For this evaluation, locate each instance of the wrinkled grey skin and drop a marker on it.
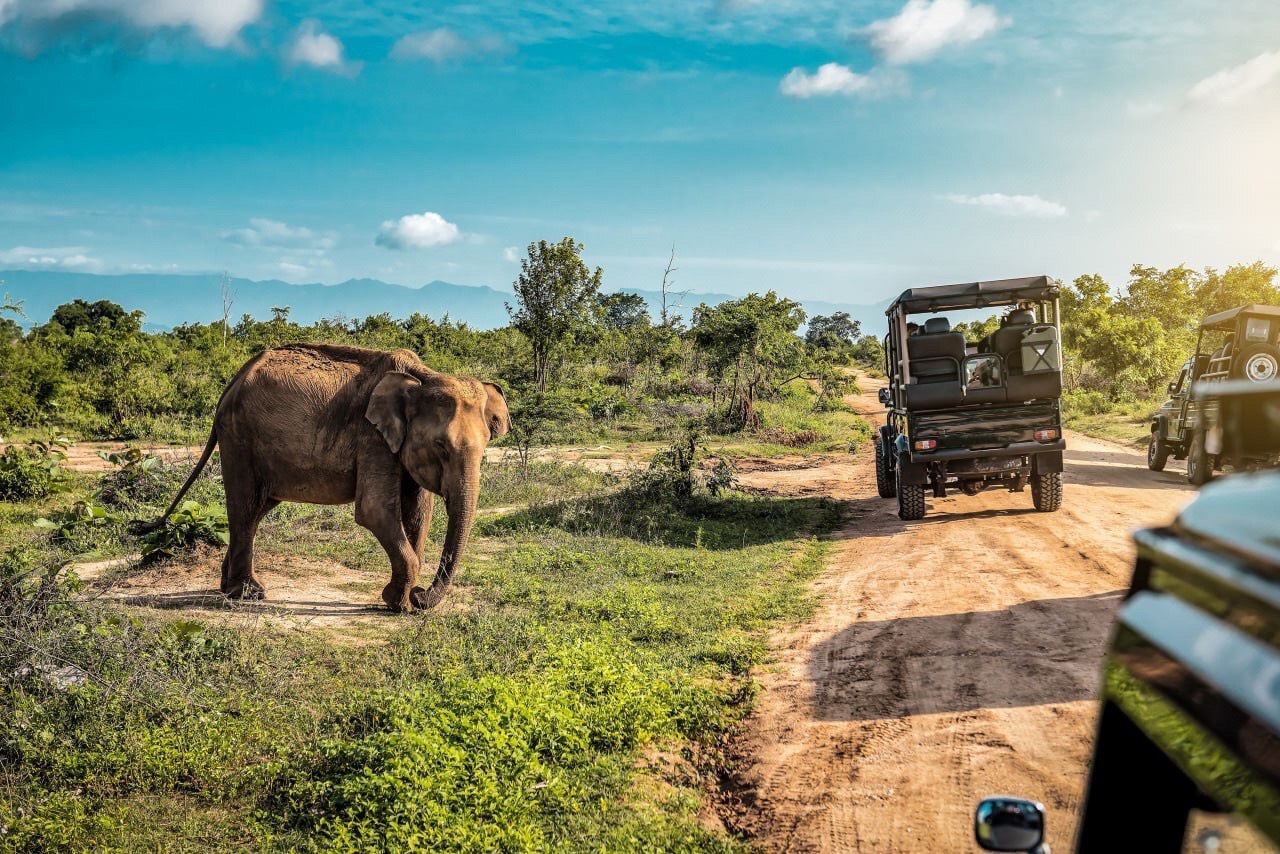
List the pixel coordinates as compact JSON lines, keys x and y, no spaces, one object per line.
{"x":326,"y":424}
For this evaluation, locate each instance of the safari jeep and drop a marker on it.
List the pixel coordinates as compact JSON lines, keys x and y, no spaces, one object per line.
{"x":1187,"y":753}
{"x":1240,"y":344}
{"x":968,"y":415}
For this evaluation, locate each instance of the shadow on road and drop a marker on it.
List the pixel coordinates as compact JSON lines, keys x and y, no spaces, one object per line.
{"x":1030,"y":654}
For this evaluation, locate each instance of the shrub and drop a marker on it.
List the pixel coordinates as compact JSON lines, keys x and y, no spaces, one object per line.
{"x":82,"y":526}
{"x":189,"y":525}
{"x":1085,"y":402}
{"x":139,"y":478}
{"x":791,"y":438}
{"x":33,"y":471}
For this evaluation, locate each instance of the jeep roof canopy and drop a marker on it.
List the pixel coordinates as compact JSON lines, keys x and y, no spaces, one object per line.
{"x":974,"y":295}
{"x":1226,"y":320}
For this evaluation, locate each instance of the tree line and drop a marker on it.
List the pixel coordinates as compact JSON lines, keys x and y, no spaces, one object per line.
{"x":571,"y":350}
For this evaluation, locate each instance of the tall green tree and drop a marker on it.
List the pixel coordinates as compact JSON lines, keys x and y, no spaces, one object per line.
{"x":1241,"y":284}
{"x":833,"y":332}
{"x":555,"y":297}
{"x":749,"y":343}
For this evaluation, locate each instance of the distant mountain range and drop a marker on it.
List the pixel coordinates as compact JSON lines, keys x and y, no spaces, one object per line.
{"x":171,"y":300}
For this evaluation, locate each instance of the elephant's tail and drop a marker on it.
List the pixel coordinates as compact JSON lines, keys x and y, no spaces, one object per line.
{"x":155,"y":525}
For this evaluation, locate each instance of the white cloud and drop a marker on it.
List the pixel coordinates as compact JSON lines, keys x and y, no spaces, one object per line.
{"x":215,"y":22}
{"x":314,"y":47}
{"x":272,"y":233}
{"x":417,"y":231}
{"x":1006,"y":205}
{"x":51,"y":258}
{"x":924,"y":27}
{"x":830,"y":79}
{"x":444,"y":45}
{"x":1236,"y":84}
{"x":511,"y":255}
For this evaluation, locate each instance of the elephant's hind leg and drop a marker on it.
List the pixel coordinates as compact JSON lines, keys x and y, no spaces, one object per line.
{"x":246,"y":505}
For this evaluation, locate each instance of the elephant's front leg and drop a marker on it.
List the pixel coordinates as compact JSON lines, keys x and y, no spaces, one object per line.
{"x":415,"y":514}
{"x":381,"y":514}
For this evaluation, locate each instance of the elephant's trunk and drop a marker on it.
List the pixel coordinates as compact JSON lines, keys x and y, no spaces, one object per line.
{"x":460,"y":504}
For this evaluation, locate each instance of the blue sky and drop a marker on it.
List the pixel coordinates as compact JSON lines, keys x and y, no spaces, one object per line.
{"x":829,"y":150}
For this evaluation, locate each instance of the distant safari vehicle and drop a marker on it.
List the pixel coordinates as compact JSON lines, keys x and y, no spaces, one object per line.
{"x":1242,"y":344}
{"x":972,"y":414}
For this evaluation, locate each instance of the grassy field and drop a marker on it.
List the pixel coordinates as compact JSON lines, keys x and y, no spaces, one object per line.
{"x":572,"y":692}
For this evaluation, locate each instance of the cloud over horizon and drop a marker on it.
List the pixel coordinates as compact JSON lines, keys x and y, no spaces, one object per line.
{"x":922,"y":28}
{"x":1011,"y":205}
{"x":417,"y":231}
{"x":1231,"y":85}
{"x":56,"y":257}
{"x":272,"y":233}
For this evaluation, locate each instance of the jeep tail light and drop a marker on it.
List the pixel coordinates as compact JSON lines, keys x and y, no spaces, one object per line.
{"x":1047,"y":435}
{"x":926,"y":444}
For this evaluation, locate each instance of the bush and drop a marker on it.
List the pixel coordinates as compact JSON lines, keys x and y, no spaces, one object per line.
{"x":791,"y":438}
{"x":32,"y":472}
{"x":1084,"y":402}
{"x":186,"y":527}
{"x":82,"y":526}
{"x":139,"y":478}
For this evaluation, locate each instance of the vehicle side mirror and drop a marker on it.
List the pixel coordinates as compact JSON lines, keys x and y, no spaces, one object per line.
{"x":1172,"y":387}
{"x":883,"y":394}
{"x":1010,"y":824}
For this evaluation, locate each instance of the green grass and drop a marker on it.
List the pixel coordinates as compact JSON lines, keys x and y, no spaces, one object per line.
{"x":591,"y":627}
{"x":1126,"y":422}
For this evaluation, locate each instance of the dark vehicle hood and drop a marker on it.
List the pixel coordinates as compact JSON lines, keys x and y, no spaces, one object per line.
{"x":1239,"y":514}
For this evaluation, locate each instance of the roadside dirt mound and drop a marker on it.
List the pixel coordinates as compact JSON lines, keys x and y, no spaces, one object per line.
{"x":949,"y":659}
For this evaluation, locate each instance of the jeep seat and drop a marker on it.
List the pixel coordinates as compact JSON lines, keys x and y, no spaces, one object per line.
{"x":935,"y":356}
{"x":1007,"y":343}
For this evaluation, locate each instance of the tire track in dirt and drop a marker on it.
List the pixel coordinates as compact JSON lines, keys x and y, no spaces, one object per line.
{"x":949,"y":659}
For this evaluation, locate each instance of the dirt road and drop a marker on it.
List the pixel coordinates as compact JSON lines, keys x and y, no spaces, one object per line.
{"x":950,"y":658}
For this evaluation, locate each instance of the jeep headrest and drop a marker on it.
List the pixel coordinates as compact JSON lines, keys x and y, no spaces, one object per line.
{"x":1021,"y":317}
{"x":937,"y":326}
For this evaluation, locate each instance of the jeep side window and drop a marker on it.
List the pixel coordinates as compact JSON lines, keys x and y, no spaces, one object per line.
{"x":1181,"y":385}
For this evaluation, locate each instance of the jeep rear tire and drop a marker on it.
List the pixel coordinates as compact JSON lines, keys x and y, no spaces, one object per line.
{"x":1260,"y":363}
{"x":1046,"y":491}
{"x":1199,"y":463}
{"x":885,"y":485}
{"x":910,"y":499}
{"x":1157,"y":452}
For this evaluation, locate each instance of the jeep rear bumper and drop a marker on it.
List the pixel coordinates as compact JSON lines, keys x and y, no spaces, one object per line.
{"x":1017,"y":449}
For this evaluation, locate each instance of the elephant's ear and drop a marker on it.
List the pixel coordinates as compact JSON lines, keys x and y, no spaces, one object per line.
{"x":386,"y":407}
{"x":495,"y":411}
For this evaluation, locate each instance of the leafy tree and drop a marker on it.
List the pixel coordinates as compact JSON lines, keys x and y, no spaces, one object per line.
{"x":749,"y":342}
{"x":622,"y":311}
{"x":1239,"y":285}
{"x":555,"y":297}
{"x":833,"y":332}
{"x":84,"y":315}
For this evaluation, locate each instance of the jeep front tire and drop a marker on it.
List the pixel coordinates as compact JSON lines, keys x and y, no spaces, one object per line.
{"x":1157,"y":452}
{"x":885,"y":485}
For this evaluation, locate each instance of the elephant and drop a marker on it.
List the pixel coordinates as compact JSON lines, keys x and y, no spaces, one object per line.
{"x":330,"y":424}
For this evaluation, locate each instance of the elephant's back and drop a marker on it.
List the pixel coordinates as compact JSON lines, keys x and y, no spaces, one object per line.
{"x":300,"y":387}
